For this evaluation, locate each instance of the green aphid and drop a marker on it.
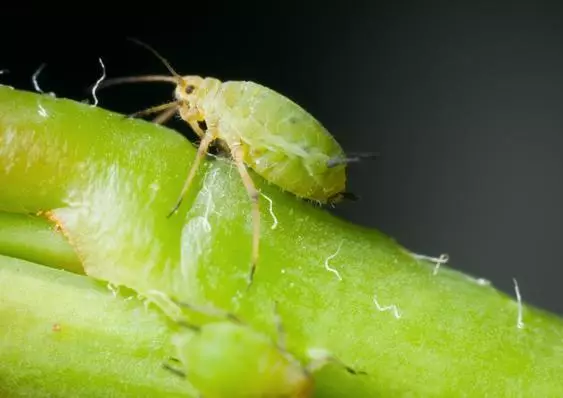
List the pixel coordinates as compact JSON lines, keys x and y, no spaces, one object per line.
{"x":225,"y":359}
{"x":228,"y":359}
{"x":260,"y":129}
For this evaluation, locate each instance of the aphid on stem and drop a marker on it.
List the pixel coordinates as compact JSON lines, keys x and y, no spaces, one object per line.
{"x":260,"y":129}
{"x":226,"y":358}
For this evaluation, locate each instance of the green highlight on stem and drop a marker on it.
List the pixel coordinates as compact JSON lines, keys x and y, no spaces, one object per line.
{"x":108,"y":183}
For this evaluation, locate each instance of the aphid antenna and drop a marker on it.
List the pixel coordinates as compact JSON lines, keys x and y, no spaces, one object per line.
{"x":174,"y":79}
{"x":157,"y":54}
{"x":136,"y":79}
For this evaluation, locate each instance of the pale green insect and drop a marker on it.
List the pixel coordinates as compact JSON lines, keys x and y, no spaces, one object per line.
{"x":227,"y":359}
{"x":224,"y":359}
{"x":260,"y":129}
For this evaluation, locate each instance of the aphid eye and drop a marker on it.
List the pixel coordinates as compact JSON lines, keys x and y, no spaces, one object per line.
{"x":202,"y":125}
{"x":190,"y":89}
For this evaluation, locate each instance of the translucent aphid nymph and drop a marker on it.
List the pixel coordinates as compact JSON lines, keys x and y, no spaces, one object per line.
{"x":260,"y":129}
{"x":227,"y":358}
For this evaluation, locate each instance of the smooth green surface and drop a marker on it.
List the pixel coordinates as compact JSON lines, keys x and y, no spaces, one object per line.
{"x":110,"y":183}
{"x":64,"y":335}
{"x":37,"y":240}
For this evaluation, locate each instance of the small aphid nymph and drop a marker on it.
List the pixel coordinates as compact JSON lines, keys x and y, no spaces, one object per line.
{"x":260,"y":129}
{"x":227,"y":358}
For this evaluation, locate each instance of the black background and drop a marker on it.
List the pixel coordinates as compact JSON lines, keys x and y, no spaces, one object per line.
{"x":464,"y":106}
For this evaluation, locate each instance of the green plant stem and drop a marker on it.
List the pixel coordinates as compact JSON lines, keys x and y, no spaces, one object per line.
{"x":66,"y":335}
{"x":110,"y":182}
{"x":35,"y":239}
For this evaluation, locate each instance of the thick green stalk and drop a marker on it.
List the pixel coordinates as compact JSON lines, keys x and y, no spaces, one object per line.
{"x":37,"y":240}
{"x":66,"y":335}
{"x":110,"y":182}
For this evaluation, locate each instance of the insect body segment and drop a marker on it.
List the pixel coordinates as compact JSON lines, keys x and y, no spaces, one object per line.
{"x":284,"y":144}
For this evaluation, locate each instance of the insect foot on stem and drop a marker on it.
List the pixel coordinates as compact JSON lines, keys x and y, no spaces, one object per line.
{"x":321,"y":357}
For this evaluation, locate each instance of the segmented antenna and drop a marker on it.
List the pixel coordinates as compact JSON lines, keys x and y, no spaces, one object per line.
{"x":174,"y":79}
{"x":157,"y":54}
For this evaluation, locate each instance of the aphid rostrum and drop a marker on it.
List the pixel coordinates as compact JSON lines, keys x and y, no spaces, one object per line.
{"x":262,"y":130}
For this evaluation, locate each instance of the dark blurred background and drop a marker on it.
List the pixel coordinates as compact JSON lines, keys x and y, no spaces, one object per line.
{"x":465,"y":108}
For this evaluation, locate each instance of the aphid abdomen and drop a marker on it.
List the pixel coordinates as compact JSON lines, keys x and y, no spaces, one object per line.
{"x":304,"y":178}
{"x":284,"y":143}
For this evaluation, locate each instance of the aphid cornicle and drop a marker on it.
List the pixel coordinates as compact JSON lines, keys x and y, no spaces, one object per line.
{"x":260,"y":129}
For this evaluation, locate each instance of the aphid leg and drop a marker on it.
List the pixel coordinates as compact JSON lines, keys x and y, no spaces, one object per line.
{"x":179,"y":372}
{"x":165,"y":116}
{"x":194,"y":124}
{"x":321,"y":358}
{"x":207,"y":139}
{"x":237,"y":153}
{"x":176,"y":371}
{"x":155,"y":109}
{"x":210,"y":311}
{"x":193,"y":117}
{"x":350,"y":196}
{"x":187,"y":325}
{"x":343,"y":196}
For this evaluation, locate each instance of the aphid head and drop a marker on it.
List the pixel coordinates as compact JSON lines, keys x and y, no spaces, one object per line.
{"x":188,"y":88}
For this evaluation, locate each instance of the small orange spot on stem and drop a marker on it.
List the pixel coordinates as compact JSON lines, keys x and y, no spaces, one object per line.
{"x":58,"y":226}
{"x":56,"y":327}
